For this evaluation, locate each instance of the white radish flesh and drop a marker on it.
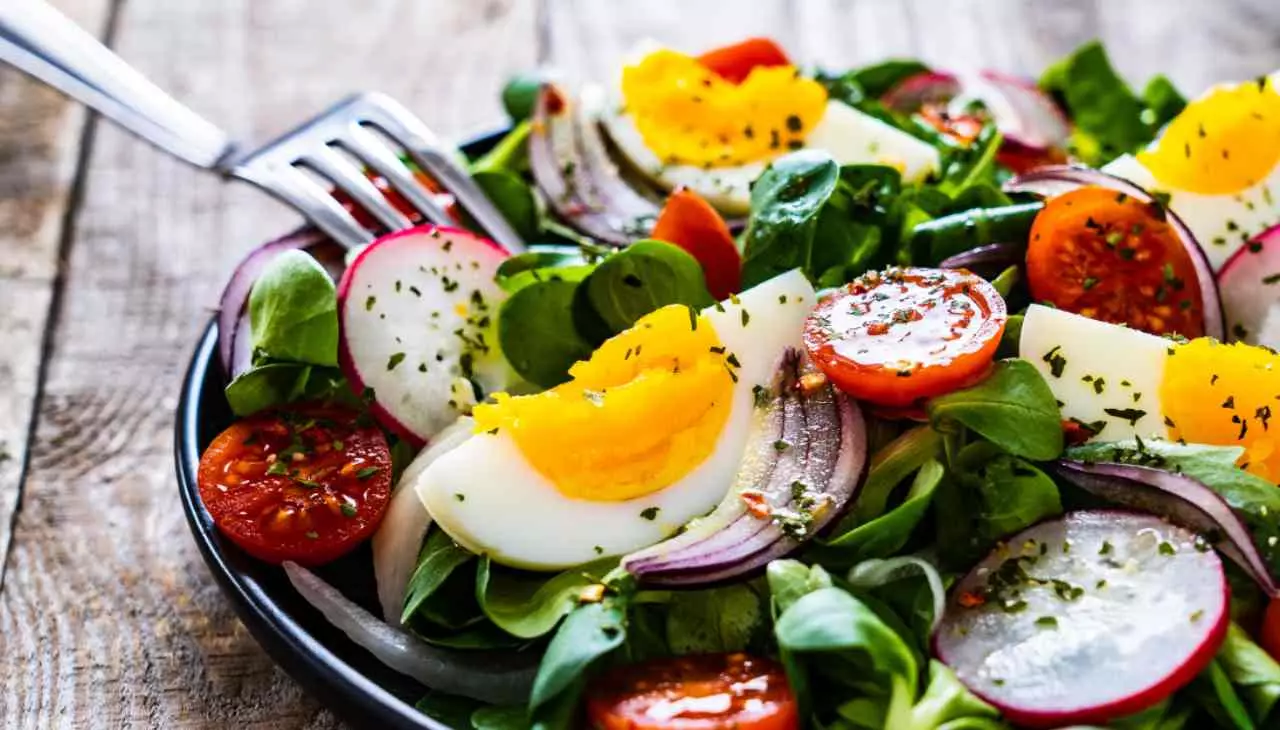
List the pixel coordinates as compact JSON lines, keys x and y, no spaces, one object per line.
{"x":1249,"y":284}
{"x":416,"y":312}
{"x":1086,"y":618}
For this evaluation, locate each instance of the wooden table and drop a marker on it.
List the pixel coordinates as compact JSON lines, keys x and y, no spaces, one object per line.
{"x":112,"y":256}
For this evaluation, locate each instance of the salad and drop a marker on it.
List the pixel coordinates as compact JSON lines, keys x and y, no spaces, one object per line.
{"x":885,"y":397}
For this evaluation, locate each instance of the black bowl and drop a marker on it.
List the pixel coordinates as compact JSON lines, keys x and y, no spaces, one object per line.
{"x":342,"y":675}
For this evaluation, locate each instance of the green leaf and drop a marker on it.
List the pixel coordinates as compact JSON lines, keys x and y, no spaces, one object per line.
{"x":637,"y":280}
{"x":510,"y":154}
{"x":1171,"y":714}
{"x":529,"y":605}
{"x":961,"y":231}
{"x":946,"y":700}
{"x":1255,"y":675}
{"x":887,"y":534}
{"x":713,"y":620}
{"x":1255,"y":499}
{"x":1163,"y":101}
{"x":890,"y":466}
{"x":1013,"y":408}
{"x":520,"y":94}
{"x":500,"y":718}
{"x":450,"y":710}
{"x":974,"y":165}
{"x":537,"y":334}
{"x":831,"y":620}
{"x":541,"y":261}
{"x":789,"y":580}
{"x":439,"y":558}
{"x":785,"y":204}
{"x":878,"y":78}
{"x":1213,"y":692}
{"x":293,"y":311}
{"x":1108,"y":117}
{"x":589,"y":632}
{"x":512,"y":197}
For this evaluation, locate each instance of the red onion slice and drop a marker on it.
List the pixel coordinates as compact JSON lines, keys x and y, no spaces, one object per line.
{"x":1024,"y":114}
{"x":575,"y":175}
{"x":926,"y":87}
{"x":501,"y":678}
{"x":234,"y":343}
{"x":1057,"y":179}
{"x":1179,"y":499}
{"x":1250,"y":292}
{"x":990,"y":259}
{"x":804,"y":464}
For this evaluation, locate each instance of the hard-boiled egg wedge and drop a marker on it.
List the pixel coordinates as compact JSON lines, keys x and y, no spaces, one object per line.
{"x":646,"y":435}
{"x":681,"y":124}
{"x":1219,"y":162}
{"x":1118,"y":383}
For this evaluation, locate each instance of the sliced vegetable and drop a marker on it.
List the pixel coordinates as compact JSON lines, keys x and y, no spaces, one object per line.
{"x":1025,"y":115}
{"x":307,"y":484}
{"x":692,"y":692}
{"x":1112,"y":257}
{"x":1057,"y":180}
{"x":1085,"y":619}
{"x":233,"y":318}
{"x":922,"y":90}
{"x":904,"y":335}
{"x":501,"y":678}
{"x":992,"y":258}
{"x":399,"y":538}
{"x":1250,"y":286}
{"x":805,"y":460}
{"x":572,"y":168}
{"x":416,"y":311}
{"x":1177,"y":498}
{"x":689,"y":221}
{"x":736,"y":62}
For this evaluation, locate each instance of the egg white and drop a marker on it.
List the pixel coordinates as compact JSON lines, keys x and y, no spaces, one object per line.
{"x":848,"y":135}
{"x":1221,"y":223}
{"x":491,"y":500}
{"x":1129,"y":363}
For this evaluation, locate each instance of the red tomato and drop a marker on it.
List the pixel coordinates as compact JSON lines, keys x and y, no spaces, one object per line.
{"x":1108,"y":256}
{"x":306,"y":484}
{"x":899,"y":337}
{"x":443,"y":199}
{"x":963,"y":128}
{"x":1269,"y":637}
{"x":697,"y":692}
{"x":691,"y":223}
{"x":735,"y":62}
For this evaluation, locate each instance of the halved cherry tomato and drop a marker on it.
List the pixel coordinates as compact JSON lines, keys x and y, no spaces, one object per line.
{"x":306,"y":484}
{"x":445,"y":200}
{"x":697,"y":692}
{"x":735,"y":62}
{"x":1109,"y":256}
{"x":898,"y":337}
{"x":691,"y":223}
{"x":1269,"y":637}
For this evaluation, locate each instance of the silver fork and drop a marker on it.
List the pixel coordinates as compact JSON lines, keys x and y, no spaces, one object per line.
{"x":334,"y":146}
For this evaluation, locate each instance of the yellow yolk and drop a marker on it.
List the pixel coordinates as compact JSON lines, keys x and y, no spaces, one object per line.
{"x":1223,"y":142}
{"x":689,"y":115}
{"x":1224,"y":395}
{"x":644,"y":411}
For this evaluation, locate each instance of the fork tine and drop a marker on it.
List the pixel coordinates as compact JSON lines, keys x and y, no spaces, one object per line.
{"x":378,"y":156}
{"x":317,"y":204}
{"x":422,"y":145}
{"x":351,"y":180}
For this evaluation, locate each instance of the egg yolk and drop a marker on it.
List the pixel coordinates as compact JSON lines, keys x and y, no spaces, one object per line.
{"x":1224,"y":142}
{"x":643,"y":412}
{"x":1224,"y":395}
{"x":690,"y":115}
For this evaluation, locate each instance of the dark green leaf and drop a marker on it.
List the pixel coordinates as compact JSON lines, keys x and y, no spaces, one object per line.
{"x":589,"y":632}
{"x":785,"y":204}
{"x":888,"y":533}
{"x":1254,"y":673}
{"x":451,"y":710}
{"x":541,"y":261}
{"x":1013,"y":408}
{"x":637,"y":280}
{"x":713,"y":620}
{"x":878,"y":78}
{"x":293,"y":311}
{"x":512,"y":197}
{"x":1213,"y":692}
{"x":529,"y":605}
{"x":946,"y":700}
{"x":276,"y":383}
{"x":439,"y":558}
{"x":959,"y":232}
{"x":500,"y":718}
{"x":1163,"y":100}
{"x":1106,"y":114}
{"x":519,"y":95}
{"x":537,"y":332}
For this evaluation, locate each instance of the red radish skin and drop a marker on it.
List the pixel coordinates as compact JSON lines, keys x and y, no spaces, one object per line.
{"x":1112,"y":650}
{"x":381,"y":353}
{"x":1249,"y":283}
{"x":926,"y":87}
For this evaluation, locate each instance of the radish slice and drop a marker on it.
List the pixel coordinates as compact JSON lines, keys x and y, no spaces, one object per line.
{"x":926,"y":87}
{"x":1058,"y":179}
{"x":1086,"y":618}
{"x":415,"y":317}
{"x":1024,"y":114}
{"x":399,"y":538}
{"x":1250,"y":286}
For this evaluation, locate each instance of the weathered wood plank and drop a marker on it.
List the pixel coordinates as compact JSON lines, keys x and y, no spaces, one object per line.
{"x":109,"y":618}
{"x":40,"y":141}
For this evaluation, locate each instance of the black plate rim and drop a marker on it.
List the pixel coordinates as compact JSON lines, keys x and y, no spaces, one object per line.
{"x":324,"y":674}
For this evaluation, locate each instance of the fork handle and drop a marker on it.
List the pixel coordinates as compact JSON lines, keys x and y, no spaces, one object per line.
{"x":46,"y":44}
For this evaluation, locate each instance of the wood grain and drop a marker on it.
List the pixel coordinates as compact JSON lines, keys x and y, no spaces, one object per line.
{"x":107,"y":616}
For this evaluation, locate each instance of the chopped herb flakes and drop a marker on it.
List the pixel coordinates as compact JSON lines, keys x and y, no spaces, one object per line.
{"x":649,"y":513}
